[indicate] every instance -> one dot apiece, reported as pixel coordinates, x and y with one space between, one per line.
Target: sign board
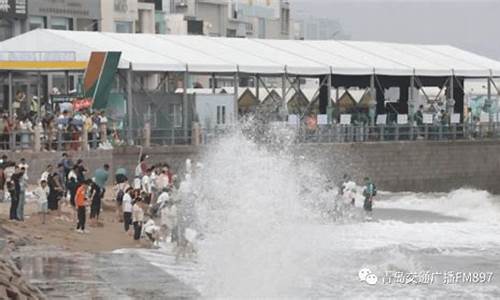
402 119
293 120
381 119
455 118
427 118
345 119
82 103
484 117
13 8
88 9
322 119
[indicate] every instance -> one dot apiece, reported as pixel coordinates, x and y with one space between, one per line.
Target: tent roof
202 54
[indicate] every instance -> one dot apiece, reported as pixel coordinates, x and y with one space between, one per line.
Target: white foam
474 205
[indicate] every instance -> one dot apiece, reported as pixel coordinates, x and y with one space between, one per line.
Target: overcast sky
472 25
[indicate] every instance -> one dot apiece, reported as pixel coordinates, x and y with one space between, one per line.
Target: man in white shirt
127 208
147 185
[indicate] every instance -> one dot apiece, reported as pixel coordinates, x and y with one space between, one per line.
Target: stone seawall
420 166
38 161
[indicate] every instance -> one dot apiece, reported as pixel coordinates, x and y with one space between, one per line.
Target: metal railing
60 140
380 133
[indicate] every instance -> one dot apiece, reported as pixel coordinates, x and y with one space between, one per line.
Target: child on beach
42 193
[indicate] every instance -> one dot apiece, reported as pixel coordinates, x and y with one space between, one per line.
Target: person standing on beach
369 192
23 185
127 208
42 193
137 218
140 170
81 170
14 190
72 184
120 189
95 203
81 203
100 178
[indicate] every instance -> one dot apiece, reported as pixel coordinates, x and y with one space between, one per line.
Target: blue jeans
20 205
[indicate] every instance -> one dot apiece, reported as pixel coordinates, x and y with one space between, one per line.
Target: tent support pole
11 110
38 92
66 81
284 108
130 109
489 99
236 85
373 101
329 93
411 102
257 87
185 103
214 83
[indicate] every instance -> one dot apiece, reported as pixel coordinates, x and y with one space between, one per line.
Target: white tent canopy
201 54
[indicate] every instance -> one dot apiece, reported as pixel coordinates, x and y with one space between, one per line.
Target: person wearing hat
369 192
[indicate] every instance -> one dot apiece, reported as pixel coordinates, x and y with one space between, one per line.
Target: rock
13 285
3 292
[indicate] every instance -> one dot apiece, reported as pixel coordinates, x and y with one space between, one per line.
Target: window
123 27
37 22
231 33
176 115
61 23
221 115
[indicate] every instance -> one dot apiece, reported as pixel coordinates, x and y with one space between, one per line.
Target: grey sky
472 25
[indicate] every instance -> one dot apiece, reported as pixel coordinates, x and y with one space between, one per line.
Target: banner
99 76
80 104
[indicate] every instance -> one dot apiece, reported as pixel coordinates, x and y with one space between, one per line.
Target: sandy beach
59 230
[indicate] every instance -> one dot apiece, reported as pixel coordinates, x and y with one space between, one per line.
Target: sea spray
253 200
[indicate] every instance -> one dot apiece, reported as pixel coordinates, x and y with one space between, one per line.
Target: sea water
260 210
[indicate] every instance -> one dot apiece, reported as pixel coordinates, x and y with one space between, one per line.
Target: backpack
374 190
119 196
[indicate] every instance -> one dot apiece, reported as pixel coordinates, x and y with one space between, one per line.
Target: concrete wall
39 161
414 166
175 156
394 166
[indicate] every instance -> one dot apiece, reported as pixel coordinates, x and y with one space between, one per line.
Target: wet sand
60 230
64 264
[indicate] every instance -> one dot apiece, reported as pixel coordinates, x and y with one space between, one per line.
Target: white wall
206 108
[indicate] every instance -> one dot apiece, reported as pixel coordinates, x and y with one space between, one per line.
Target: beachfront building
229 18
176 59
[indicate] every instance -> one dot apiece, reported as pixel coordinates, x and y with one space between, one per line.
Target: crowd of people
62 128
146 204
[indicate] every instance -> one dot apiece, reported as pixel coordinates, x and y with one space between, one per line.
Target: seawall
419 166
